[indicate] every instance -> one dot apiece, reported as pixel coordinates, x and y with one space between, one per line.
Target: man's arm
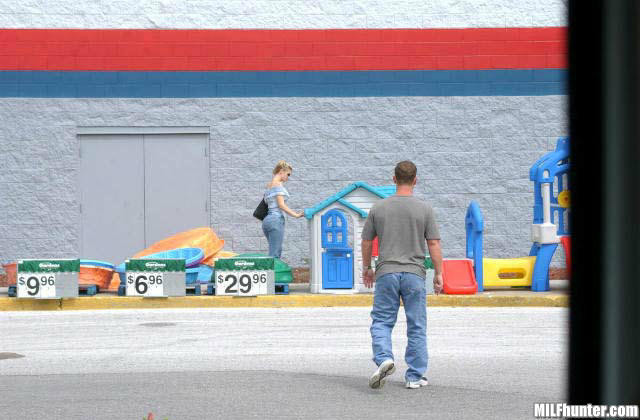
436 257
367 271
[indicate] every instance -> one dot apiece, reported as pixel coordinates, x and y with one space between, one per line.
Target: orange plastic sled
203 238
458 277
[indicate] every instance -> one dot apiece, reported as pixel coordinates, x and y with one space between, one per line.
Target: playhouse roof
382 192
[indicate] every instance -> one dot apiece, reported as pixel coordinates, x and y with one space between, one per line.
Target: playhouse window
338 222
339 237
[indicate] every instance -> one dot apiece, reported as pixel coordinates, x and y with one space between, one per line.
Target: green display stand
428 264
282 269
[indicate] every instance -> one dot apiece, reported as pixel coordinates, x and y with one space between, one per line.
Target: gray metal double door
138 189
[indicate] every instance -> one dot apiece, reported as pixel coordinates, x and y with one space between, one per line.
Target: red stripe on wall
282 50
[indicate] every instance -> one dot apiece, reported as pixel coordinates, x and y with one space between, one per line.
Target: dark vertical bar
585 127
621 332
604 360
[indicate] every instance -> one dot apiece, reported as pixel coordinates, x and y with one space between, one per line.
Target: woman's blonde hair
282 165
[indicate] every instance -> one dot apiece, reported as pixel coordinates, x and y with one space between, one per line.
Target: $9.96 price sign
47 279
37 285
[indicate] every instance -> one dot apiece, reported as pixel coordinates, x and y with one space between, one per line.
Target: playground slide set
550 227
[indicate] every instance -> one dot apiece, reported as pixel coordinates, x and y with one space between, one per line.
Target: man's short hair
405 172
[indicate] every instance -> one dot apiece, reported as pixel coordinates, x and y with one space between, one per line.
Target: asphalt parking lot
274 363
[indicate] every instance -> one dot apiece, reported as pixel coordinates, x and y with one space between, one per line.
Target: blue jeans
386 302
273 228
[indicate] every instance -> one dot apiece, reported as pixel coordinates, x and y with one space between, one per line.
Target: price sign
245 276
155 277
41 286
145 284
47 279
241 283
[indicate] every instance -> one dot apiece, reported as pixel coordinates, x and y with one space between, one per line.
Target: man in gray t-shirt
403 224
405 227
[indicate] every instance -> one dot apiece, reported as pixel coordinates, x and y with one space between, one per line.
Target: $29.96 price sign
150 284
36 285
241 283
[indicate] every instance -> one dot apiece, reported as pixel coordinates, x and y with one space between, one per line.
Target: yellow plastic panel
520 268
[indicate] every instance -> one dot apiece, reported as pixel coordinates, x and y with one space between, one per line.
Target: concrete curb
276 301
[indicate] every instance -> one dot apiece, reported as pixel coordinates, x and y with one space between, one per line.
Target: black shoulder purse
261 211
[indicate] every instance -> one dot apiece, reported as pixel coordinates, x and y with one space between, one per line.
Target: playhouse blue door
337 257
337 270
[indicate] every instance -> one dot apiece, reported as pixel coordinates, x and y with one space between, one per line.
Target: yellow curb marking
276 301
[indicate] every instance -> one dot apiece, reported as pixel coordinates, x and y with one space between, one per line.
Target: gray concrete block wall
281 14
466 148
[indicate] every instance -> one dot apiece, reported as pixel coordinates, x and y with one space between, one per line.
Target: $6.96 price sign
241 283
145 284
37 285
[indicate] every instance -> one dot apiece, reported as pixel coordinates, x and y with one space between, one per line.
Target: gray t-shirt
402 225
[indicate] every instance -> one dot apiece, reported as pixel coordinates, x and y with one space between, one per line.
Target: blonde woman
276 196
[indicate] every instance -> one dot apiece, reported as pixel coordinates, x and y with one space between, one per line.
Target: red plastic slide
566 244
458 277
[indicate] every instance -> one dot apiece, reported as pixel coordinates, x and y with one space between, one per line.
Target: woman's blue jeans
390 288
273 228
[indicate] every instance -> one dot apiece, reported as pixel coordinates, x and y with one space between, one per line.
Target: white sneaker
417 384
386 368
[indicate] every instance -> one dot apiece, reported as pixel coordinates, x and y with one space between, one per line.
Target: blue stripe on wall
95 84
